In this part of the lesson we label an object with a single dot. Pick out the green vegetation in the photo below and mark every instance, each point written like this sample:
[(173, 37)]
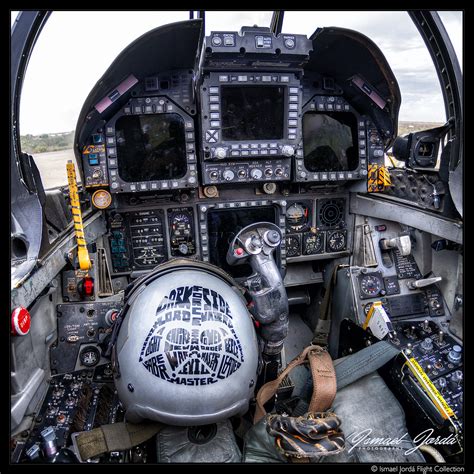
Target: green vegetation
[(47, 142)]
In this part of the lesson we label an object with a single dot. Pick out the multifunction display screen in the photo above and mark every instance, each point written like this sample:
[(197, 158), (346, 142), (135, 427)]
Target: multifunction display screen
[(151, 147), (330, 141), (252, 112)]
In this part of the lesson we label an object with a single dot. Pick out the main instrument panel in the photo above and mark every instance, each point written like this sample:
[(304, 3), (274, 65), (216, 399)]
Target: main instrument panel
[(190, 156)]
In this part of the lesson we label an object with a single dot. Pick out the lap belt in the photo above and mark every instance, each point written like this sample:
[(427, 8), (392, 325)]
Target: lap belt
[(113, 437)]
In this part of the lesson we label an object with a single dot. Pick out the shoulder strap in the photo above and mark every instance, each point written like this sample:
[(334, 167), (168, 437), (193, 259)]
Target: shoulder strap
[(324, 381)]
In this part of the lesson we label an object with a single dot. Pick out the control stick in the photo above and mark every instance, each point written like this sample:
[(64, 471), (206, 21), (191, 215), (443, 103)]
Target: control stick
[(256, 244)]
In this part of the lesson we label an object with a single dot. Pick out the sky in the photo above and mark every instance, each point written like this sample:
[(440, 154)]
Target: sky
[(76, 47)]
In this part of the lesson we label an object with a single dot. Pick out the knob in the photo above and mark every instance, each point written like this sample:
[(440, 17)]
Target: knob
[(97, 173), (441, 337), (290, 43), (228, 175), (454, 355), (272, 237), (220, 153), (442, 384), (427, 345), (268, 172), (255, 243), (457, 377), (183, 248), (242, 173), (213, 175), (256, 173), (287, 150), (111, 316), (216, 41), (278, 172)]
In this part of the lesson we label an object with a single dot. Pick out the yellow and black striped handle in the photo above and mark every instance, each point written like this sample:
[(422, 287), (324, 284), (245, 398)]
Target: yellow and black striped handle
[(82, 252)]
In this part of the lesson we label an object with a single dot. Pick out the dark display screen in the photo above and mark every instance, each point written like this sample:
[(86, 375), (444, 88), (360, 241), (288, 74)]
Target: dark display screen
[(223, 225), (252, 112), (330, 141), (151, 147)]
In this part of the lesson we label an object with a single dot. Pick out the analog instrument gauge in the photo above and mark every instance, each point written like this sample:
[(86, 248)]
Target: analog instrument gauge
[(293, 245), (89, 356), (313, 243), (297, 216), (336, 241), (371, 285), (101, 199)]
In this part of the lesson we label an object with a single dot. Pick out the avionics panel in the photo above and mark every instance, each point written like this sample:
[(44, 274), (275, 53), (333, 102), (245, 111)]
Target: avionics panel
[(219, 222), (334, 142), (151, 146), (137, 240), (316, 229), (250, 115)]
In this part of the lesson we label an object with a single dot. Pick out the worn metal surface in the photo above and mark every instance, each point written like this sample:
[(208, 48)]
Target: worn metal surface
[(54, 262), (378, 207)]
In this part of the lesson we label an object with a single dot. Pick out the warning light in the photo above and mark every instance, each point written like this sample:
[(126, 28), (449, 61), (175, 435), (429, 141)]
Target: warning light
[(21, 322), (239, 251), (86, 286)]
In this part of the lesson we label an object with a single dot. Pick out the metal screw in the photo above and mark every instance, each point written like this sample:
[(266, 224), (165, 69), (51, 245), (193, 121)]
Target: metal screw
[(130, 388)]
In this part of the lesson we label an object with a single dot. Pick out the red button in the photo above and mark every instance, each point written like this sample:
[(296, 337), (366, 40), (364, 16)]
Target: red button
[(21, 322), (88, 283), (239, 251)]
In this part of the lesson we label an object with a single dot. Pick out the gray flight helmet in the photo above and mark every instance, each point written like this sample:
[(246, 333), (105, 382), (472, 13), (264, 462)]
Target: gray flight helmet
[(186, 352)]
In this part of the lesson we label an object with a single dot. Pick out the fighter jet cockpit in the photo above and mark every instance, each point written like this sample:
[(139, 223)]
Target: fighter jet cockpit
[(251, 255)]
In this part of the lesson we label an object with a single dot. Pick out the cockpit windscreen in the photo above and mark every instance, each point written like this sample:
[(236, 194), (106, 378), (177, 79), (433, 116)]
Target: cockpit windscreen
[(330, 141), (151, 147), (252, 112)]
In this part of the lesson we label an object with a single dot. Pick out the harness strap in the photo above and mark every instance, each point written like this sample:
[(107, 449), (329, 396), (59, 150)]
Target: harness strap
[(113, 437), (324, 381)]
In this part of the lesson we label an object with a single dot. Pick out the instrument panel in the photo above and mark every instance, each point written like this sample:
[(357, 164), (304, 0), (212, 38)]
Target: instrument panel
[(247, 134)]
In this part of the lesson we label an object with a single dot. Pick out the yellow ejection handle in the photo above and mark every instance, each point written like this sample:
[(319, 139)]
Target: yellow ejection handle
[(82, 252)]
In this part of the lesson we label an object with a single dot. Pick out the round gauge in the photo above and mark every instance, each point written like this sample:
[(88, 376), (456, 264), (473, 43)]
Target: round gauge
[(181, 219), (293, 246), (101, 199), (370, 285), (297, 217), (336, 241), (89, 356), (313, 243)]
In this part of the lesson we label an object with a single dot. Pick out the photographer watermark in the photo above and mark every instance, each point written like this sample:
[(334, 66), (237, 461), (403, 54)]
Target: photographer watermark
[(365, 440), (417, 469)]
